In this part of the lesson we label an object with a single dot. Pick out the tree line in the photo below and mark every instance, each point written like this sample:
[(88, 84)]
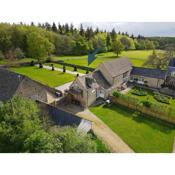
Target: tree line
[(40, 41), (24, 129)]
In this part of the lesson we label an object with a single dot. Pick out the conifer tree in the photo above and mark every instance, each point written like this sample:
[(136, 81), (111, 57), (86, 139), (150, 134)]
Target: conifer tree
[(54, 28)]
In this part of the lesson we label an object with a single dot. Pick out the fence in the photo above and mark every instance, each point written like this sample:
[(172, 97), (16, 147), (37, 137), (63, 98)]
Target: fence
[(158, 111)]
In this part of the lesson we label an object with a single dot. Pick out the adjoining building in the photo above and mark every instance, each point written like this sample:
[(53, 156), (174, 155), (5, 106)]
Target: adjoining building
[(149, 77), (12, 84), (116, 74)]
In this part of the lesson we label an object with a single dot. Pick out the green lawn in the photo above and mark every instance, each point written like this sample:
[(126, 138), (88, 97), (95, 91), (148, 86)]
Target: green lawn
[(150, 97), (142, 134), (48, 77), (137, 57), (16, 61), (67, 67)]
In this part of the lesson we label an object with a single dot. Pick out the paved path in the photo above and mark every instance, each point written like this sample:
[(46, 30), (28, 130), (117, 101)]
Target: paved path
[(114, 142), (126, 90), (61, 70), (174, 146)]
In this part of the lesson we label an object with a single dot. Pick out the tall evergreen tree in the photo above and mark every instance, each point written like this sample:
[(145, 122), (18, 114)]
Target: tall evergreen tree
[(48, 26), (60, 30), (82, 32), (39, 25), (71, 28), (32, 24), (89, 33), (97, 30), (132, 36), (113, 35), (108, 41), (66, 28), (54, 27)]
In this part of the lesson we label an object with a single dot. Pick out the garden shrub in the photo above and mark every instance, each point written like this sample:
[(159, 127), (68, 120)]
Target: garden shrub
[(139, 92), (154, 107), (32, 63), (136, 114), (116, 94), (162, 98), (146, 104)]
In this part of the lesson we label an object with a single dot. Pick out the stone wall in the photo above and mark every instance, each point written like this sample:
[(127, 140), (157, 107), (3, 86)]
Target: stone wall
[(32, 90)]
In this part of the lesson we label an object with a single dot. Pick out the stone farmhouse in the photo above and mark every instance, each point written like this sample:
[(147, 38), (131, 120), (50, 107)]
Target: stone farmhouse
[(117, 74), (12, 84)]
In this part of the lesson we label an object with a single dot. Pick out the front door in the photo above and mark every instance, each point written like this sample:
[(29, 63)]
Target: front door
[(101, 93)]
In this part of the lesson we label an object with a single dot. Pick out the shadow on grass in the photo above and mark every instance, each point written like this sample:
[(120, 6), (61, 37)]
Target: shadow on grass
[(114, 56), (155, 123)]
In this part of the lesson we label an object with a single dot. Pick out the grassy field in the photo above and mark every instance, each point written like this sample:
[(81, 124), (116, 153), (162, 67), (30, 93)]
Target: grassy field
[(47, 77), (150, 97), (142, 134), (137, 57), (16, 61)]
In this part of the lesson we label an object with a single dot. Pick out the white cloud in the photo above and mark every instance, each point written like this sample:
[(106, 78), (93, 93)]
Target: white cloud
[(86, 10)]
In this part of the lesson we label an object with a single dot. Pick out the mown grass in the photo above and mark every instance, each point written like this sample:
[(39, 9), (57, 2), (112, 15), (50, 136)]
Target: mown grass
[(45, 76), (67, 67), (137, 57), (143, 134), (23, 60)]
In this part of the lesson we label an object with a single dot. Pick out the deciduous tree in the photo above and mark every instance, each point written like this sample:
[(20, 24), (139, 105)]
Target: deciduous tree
[(117, 47)]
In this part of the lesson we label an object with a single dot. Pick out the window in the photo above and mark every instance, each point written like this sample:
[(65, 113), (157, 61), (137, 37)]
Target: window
[(173, 74), (125, 74)]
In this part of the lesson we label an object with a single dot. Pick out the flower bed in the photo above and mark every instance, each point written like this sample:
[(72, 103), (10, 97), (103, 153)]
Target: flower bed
[(139, 92), (162, 98)]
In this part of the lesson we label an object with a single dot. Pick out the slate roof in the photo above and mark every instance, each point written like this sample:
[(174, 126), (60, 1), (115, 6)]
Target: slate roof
[(172, 62), (118, 66), (97, 75), (83, 80), (9, 83), (61, 117), (146, 72)]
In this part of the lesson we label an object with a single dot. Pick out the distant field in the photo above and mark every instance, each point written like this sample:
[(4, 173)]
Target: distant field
[(47, 77), (16, 61), (142, 134), (137, 57)]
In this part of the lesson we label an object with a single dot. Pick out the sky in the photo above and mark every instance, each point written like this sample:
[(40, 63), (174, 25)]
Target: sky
[(136, 28), (86, 10), (89, 12)]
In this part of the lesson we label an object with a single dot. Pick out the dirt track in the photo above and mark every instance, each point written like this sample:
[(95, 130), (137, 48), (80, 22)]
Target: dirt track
[(111, 139)]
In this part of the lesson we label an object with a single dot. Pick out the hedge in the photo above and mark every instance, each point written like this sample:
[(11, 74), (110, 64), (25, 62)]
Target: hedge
[(153, 109)]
